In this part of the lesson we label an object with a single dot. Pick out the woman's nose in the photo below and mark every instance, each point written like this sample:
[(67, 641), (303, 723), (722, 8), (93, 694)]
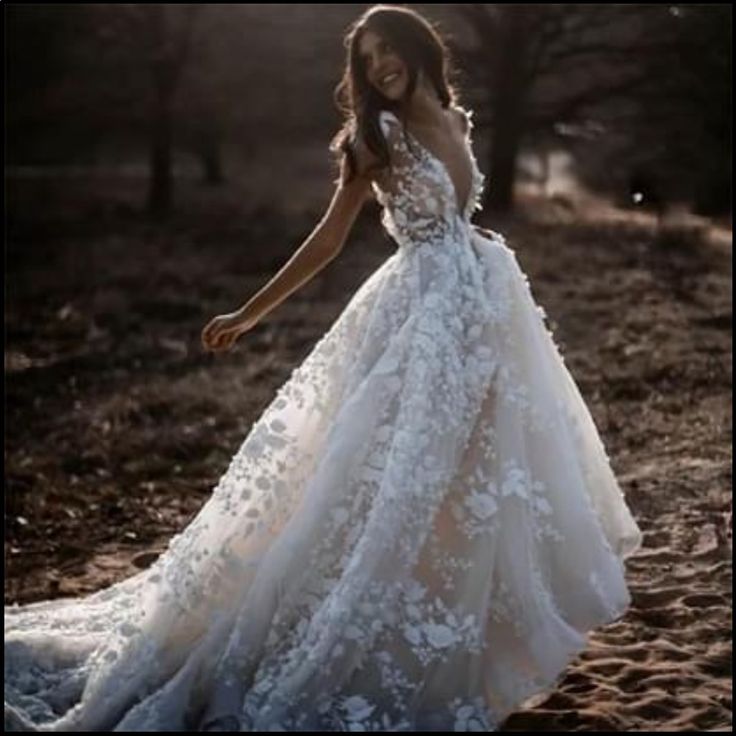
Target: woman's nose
[(375, 62)]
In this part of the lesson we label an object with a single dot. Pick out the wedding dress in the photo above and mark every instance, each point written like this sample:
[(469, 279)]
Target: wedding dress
[(416, 534)]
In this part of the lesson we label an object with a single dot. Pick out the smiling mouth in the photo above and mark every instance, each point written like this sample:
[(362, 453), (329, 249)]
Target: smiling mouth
[(388, 79)]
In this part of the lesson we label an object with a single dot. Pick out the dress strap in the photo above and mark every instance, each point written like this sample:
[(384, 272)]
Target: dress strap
[(386, 118), (468, 115)]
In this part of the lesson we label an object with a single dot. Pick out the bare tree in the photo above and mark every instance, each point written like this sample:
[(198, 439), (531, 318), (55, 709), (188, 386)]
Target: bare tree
[(540, 66), (158, 38), (166, 33), (212, 83)]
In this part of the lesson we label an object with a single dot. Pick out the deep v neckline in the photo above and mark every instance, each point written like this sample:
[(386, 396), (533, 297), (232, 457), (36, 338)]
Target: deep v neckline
[(428, 151)]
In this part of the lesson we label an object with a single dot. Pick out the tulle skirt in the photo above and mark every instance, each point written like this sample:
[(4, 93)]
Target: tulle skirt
[(416, 534)]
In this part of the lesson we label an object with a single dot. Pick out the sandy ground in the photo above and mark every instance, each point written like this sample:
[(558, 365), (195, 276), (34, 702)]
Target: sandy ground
[(118, 425)]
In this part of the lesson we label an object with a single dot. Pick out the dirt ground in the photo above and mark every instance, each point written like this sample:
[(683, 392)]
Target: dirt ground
[(118, 425)]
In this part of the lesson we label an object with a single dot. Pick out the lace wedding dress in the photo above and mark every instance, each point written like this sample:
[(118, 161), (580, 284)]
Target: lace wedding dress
[(416, 534)]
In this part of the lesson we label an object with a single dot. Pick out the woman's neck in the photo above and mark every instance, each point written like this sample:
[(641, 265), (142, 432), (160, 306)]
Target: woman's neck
[(424, 109)]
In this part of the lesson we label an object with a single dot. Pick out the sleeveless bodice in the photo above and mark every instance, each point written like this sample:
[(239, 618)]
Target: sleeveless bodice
[(420, 204)]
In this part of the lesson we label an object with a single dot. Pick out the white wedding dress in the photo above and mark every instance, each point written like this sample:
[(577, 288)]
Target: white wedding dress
[(416, 534)]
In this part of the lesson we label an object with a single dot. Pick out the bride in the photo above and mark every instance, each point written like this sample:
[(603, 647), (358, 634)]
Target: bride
[(419, 530)]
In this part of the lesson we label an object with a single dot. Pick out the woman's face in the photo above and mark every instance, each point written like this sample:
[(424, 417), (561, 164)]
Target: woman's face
[(384, 68)]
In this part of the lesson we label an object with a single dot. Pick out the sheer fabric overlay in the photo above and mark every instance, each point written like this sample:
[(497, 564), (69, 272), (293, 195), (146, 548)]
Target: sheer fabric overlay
[(416, 534)]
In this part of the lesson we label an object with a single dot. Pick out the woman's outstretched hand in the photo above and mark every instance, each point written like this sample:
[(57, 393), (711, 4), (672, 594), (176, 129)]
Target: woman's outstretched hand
[(221, 332)]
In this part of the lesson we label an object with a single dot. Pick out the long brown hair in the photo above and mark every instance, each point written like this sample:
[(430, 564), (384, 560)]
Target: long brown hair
[(419, 45)]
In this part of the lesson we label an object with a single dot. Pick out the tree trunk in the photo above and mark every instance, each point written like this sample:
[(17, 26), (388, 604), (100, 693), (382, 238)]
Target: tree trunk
[(509, 97), (505, 144), (210, 158), (162, 178), (168, 55)]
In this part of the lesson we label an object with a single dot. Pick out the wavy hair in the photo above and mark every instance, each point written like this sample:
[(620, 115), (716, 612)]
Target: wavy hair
[(419, 46)]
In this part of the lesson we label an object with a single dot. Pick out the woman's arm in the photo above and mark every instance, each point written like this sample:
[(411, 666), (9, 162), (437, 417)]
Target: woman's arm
[(321, 246)]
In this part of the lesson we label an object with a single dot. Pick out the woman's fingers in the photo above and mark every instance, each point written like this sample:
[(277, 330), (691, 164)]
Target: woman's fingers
[(220, 333), (209, 333), (229, 338), (220, 339), (216, 340), (208, 340)]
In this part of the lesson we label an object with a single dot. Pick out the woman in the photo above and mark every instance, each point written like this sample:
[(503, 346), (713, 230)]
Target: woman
[(421, 527)]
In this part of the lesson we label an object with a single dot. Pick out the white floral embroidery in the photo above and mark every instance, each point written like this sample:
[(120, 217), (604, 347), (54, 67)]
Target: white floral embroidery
[(482, 504)]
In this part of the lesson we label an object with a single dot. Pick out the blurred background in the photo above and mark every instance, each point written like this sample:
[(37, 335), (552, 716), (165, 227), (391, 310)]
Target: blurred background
[(164, 161), (610, 97)]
